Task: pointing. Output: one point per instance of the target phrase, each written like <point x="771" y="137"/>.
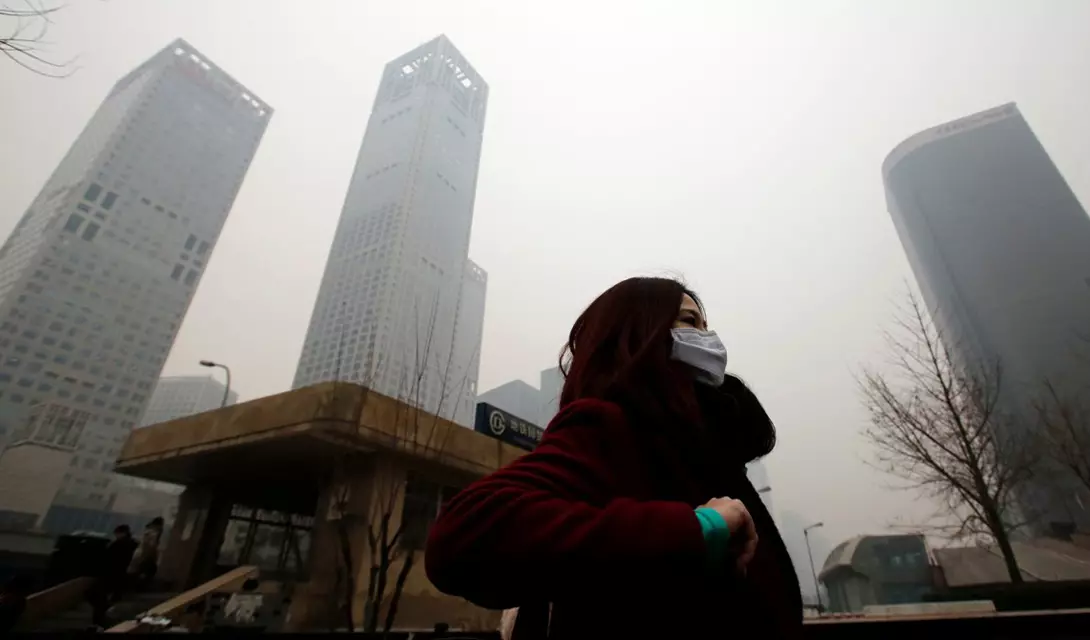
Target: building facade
<point x="1000" y="248"/>
<point x="400" y="305"/>
<point x="98" y="273"/>
<point x="177" y="396"/>
<point x="30" y="473"/>
<point x="536" y="405"/>
<point x="877" y="570"/>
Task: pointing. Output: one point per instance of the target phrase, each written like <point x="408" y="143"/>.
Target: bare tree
<point x="418" y="431"/>
<point x="937" y="424"/>
<point x="421" y="430"/>
<point x="340" y="495"/>
<point x="1064" y="433"/>
<point x="26" y="23"/>
<point x="345" y="567"/>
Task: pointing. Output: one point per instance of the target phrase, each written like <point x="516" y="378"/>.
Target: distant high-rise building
<point x="180" y="396"/>
<point x="99" y="272"/>
<point x="1000" y="247"/>
<point x="468" y="335"/>
<point x="533" y="404"/>
<point x="758" y="477"/>
<point x="551" y="381"/>
<point x="400" y="307"/>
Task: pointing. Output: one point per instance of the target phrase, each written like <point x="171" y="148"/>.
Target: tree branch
<point x="935" y="423"/>
<point x="23" y="47"/>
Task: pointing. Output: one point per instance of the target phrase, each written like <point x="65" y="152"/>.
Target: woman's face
<point x="689" y="315"/>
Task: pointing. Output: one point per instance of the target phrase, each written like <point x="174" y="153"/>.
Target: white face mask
<point x="703" y="351"/>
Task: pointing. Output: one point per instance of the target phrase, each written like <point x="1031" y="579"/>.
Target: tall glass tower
<point x="99" y="272"/>
<point x="401" y="306"/>
<point x="1000" y="247"/>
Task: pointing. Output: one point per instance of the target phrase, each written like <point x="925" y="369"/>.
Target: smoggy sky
<point x="738" y="144"/>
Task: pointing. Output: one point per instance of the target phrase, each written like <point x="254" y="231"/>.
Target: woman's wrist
<point x="716" y="534"/>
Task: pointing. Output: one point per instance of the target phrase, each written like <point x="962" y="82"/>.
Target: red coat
<point x="598" y="520"/>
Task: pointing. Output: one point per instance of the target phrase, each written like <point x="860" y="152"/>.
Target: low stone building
<point x="290" y="482"/>
<point x="877" y="570"/>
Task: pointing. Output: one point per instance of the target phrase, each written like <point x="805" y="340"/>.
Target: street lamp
<point x="813" y="571"/>
<point x="227" y="389"/>
<point x="764" y="490"/>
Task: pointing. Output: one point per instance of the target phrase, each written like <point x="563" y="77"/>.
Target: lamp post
<point x="813" y="571"/>
<point x="227" y="389"/>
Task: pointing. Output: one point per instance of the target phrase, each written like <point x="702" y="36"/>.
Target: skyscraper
<point x="180" y="396"/>
<point x="468" y="333"/>
<point x="399" y="301"/>
<point x="99" y="272"/>
<point x="1000" y="247"/>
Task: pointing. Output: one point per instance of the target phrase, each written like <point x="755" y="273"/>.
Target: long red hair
<point x="619" y="350"/>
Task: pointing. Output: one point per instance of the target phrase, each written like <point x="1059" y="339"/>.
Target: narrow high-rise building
<point x="468" y="334"/>
<point x="758" y="477"/>
<point x="400" y="307"/>
<point x="1000" y="247"/>
<point x="99" y="272"/>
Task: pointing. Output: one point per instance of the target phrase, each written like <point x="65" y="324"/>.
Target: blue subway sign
<point x="506" y="427"/>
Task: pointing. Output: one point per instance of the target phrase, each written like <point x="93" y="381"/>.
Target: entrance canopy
<point x="283" y="448"/>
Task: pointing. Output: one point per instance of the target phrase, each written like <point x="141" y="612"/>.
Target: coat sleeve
<point x="554" y="522"/>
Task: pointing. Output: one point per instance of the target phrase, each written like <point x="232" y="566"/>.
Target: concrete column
<point x="317" y="603"/>
<point x="190" y="554"/>
<point x="203" y="568"/>
<point x="181" y="542"/>
<point x="386" y="482"/>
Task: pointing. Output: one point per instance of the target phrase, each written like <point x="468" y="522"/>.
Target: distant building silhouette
<point x="758" y="477"/>
<point x="535" y="404"/>
<point x="180" y="396"/>
<point x="1000" y="247"/>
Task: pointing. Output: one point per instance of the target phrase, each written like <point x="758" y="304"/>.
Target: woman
<point x="145" y="564"/>
<point x="633" y="515"/>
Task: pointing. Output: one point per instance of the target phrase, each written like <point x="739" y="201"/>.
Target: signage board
<point x="506" y="427"/>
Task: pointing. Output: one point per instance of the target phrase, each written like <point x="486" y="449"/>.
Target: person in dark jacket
<point x="13" y="601"/>
<point x="633" y="517"/>
<point x="112" y="575"/>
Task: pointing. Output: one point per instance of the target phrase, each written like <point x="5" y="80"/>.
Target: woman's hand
<point x="740" y="524"/>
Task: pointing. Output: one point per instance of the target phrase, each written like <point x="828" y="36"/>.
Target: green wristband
<point x="716" y="535"/>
